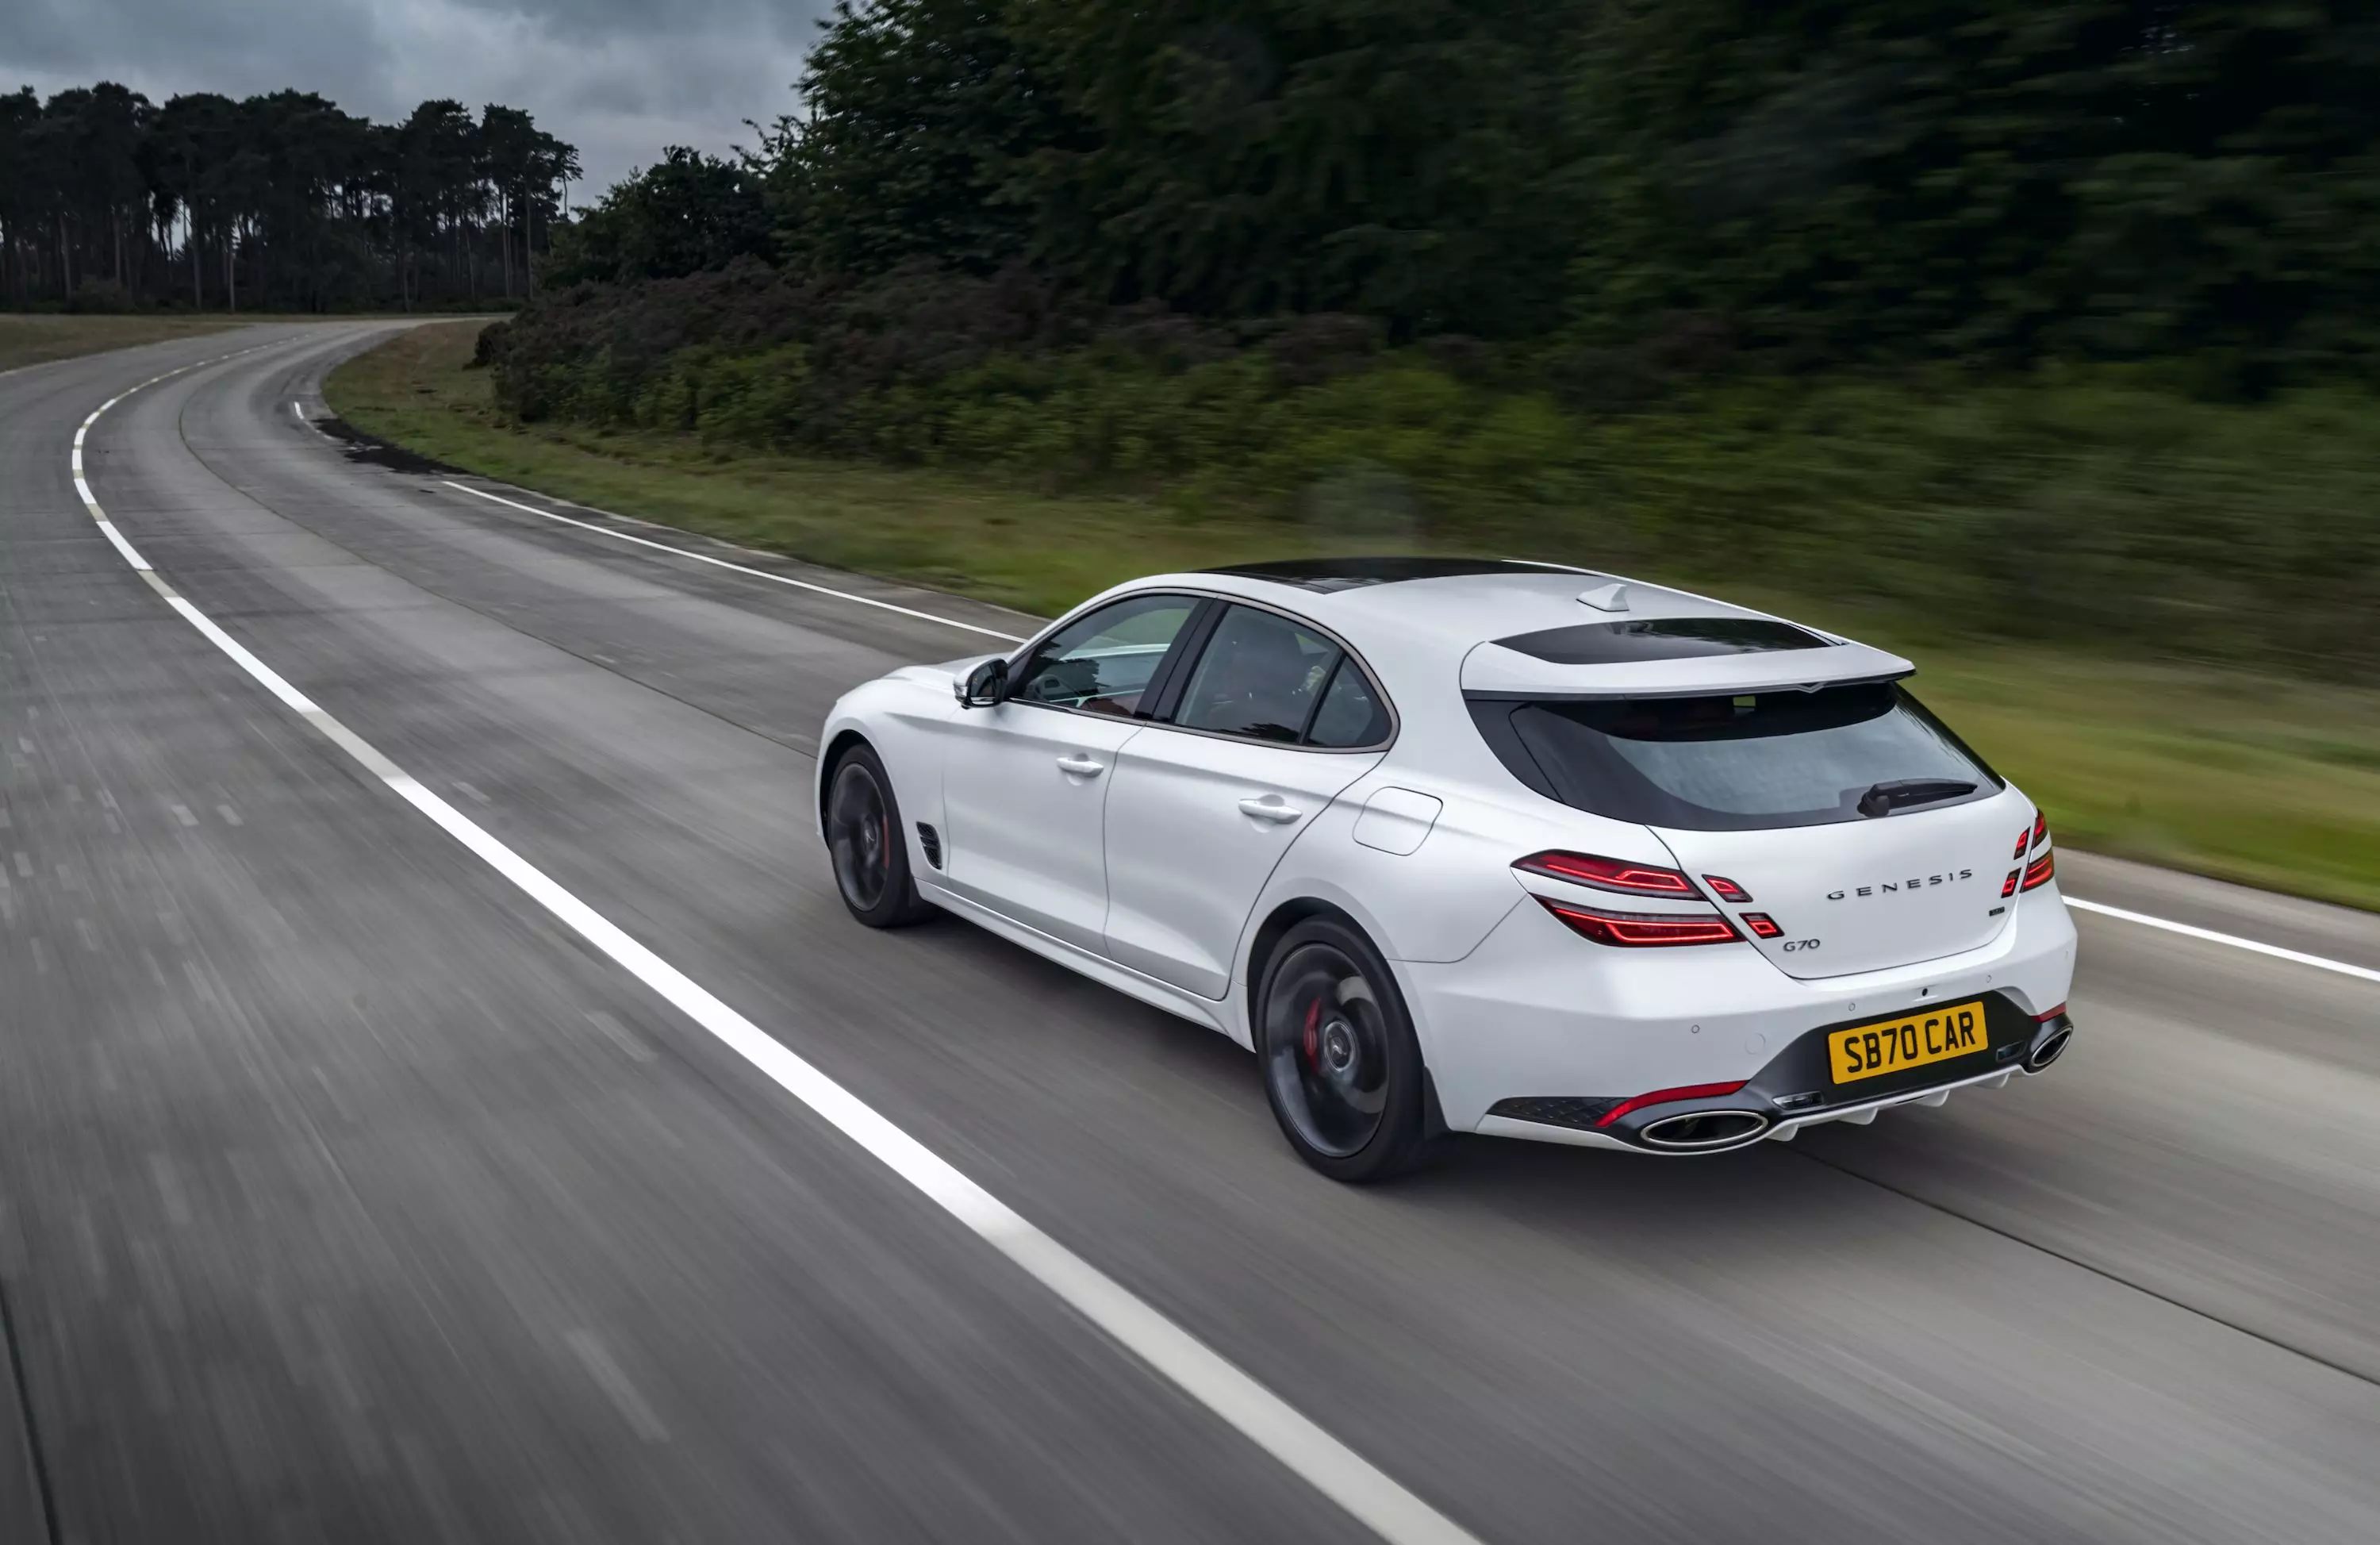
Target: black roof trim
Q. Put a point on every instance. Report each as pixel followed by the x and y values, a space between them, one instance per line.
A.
pixel 1625 640
pixel 1348 574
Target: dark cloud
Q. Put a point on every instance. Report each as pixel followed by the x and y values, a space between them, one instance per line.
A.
pixel 619 79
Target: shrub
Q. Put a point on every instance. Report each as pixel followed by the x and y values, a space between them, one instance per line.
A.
pixel 2102 505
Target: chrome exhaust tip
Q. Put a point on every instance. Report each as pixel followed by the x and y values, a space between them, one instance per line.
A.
pixel 2047 1050
pixel 1704 1131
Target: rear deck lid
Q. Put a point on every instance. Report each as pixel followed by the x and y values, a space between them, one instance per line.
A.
pixel 1865 895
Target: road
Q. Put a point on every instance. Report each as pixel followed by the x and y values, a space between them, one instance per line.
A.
pixel 346 1194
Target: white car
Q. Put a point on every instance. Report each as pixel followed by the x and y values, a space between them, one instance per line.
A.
pixel 1459 844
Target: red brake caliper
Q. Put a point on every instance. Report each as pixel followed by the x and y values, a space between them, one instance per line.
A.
pixel 1311 1041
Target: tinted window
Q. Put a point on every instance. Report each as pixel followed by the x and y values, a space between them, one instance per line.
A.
pixel 1351 713
pixel 1101 663
pixel 1606 643
pixel 1738 763
pixel 1261 675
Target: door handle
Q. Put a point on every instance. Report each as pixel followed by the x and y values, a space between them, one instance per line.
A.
pixel 1270 808
pixel 1081 766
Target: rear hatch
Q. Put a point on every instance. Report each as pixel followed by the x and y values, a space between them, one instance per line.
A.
pixel 1848 815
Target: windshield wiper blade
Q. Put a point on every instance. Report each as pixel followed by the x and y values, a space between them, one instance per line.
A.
pixel 1885 798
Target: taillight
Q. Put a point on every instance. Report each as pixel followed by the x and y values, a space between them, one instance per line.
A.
pixel 2041 870
pixel 2040 827
pixel 1763 925
pixel 1642 927
pixel 2008 886
pixel 1610 874
pixel 1728 889
pixel 2024 842
pixel 2046 1018
pixel 1663 1097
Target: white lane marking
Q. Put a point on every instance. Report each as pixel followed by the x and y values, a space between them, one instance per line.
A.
pixel 1271 1423
pixel 297 411
pixel 2320 963
pixel 722 562
pixel 248 663
pixel 131 554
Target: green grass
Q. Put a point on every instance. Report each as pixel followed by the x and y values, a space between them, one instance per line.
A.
pixel 35 339
pixel 2272 781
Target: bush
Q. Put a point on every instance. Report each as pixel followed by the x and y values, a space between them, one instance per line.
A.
pixel 2104 504
pixel 100 297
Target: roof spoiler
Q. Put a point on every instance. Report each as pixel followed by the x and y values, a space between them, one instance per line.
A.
pixel 1492 671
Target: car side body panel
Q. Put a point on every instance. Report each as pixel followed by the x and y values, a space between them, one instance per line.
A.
pixel 1508 1003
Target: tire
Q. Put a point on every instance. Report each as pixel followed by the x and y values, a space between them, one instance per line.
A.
pixel 1341 1069
pixel 866 846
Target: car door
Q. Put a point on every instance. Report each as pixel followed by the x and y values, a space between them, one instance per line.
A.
pixel 1270 723
pixel 1027 778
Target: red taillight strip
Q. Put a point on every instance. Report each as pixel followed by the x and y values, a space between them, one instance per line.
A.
pixel 1610 874
pixel 2040 827
pixel 2008 886
pixel 1663 1097
pixel 2023 844
pixel 1762 925
pixel 1641 927
pixel 1728 889
pixel 2046 1018
pixel 2039 872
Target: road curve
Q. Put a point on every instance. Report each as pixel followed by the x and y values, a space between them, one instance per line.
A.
pixel 345 1195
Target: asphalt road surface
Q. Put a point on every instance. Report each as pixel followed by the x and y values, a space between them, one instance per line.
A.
pixel 346 1194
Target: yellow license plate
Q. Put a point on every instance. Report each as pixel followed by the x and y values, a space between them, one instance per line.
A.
pixel 1913 1040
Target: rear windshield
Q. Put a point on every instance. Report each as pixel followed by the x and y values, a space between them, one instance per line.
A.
pixel 1739 762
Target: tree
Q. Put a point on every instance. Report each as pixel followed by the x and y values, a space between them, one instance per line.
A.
pixel 686 212
pixel 1981 177
pixel 924 119
pixel 281 199
pixel 1396 157
pixel 21 193
pixel 510 154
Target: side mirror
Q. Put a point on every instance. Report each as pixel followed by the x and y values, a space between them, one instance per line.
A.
pixel 984 686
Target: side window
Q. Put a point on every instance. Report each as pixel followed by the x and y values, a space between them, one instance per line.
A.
pixel 1261 675
pixel 1351 713
pixel 1101 662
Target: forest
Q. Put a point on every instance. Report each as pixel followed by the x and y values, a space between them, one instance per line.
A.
pixel 1986 180
pixel 109 202
pixel 2058 312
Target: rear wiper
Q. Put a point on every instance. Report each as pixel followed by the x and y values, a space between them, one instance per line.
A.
pixel 1885 798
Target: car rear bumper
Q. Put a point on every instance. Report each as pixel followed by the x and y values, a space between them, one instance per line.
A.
pixel 1541 1034
pixel 1774 1104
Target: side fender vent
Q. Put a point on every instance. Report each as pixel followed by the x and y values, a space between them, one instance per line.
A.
pixel 931 841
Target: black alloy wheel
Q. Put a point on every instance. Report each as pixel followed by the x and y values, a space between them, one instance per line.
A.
pixel 1341 1069
pixel 863 836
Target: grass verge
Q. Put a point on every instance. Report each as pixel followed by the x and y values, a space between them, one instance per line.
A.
pixel 31 339
pixel 2273 781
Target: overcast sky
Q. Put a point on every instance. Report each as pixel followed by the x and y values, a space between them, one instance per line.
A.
pixel 619 79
